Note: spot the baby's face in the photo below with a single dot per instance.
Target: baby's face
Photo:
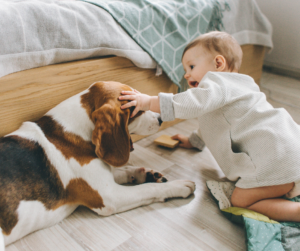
(197, 62)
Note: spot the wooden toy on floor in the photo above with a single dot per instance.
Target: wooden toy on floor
(166, 141)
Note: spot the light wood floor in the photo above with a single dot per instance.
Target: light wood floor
(194, 223)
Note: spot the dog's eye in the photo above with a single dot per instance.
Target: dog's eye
(131, 109)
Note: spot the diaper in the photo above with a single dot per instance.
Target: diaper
(222, 192)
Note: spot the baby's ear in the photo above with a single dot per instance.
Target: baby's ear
(220, 63)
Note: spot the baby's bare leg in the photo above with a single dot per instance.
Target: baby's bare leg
(278, 209)
(247, 197)
(267, 201)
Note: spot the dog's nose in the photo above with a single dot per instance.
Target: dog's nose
(159, 121)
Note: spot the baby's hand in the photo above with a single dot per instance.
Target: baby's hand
(183, 141)
(139, 100)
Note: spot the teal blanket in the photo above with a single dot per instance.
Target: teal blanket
(262, 233)
(164, 28)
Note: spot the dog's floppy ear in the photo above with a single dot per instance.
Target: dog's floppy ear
(111, 136)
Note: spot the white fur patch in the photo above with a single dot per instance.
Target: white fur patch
(2, 247)
(33, 216)
(73, 117)
(145, 124)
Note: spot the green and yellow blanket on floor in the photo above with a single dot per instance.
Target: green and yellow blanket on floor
(261, 232)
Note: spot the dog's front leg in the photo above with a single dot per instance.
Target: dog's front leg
(136, 175)
(122, 198)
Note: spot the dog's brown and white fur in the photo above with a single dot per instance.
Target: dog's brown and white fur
(49, 167)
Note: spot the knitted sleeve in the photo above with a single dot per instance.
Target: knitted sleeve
(208, 96)
(196, 140)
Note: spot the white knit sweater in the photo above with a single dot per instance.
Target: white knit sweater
(254, 144)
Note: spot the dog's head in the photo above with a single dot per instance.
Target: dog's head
(113, 125)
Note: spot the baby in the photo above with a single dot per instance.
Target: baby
(256, 146)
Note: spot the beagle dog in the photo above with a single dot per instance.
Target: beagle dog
(67, 158)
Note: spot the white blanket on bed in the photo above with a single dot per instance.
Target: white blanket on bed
(36, 33)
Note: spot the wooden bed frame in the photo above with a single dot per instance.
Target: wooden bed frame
(29, 94)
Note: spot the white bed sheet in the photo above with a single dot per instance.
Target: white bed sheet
(36, 33)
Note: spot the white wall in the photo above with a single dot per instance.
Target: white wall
(285, 18)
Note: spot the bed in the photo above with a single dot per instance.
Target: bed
(53, 49)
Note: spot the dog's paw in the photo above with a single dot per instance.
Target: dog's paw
(179, 188)
(144, 175)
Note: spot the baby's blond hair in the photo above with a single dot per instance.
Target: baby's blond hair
(222, 43)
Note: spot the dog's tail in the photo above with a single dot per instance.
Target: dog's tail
(2, 247)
